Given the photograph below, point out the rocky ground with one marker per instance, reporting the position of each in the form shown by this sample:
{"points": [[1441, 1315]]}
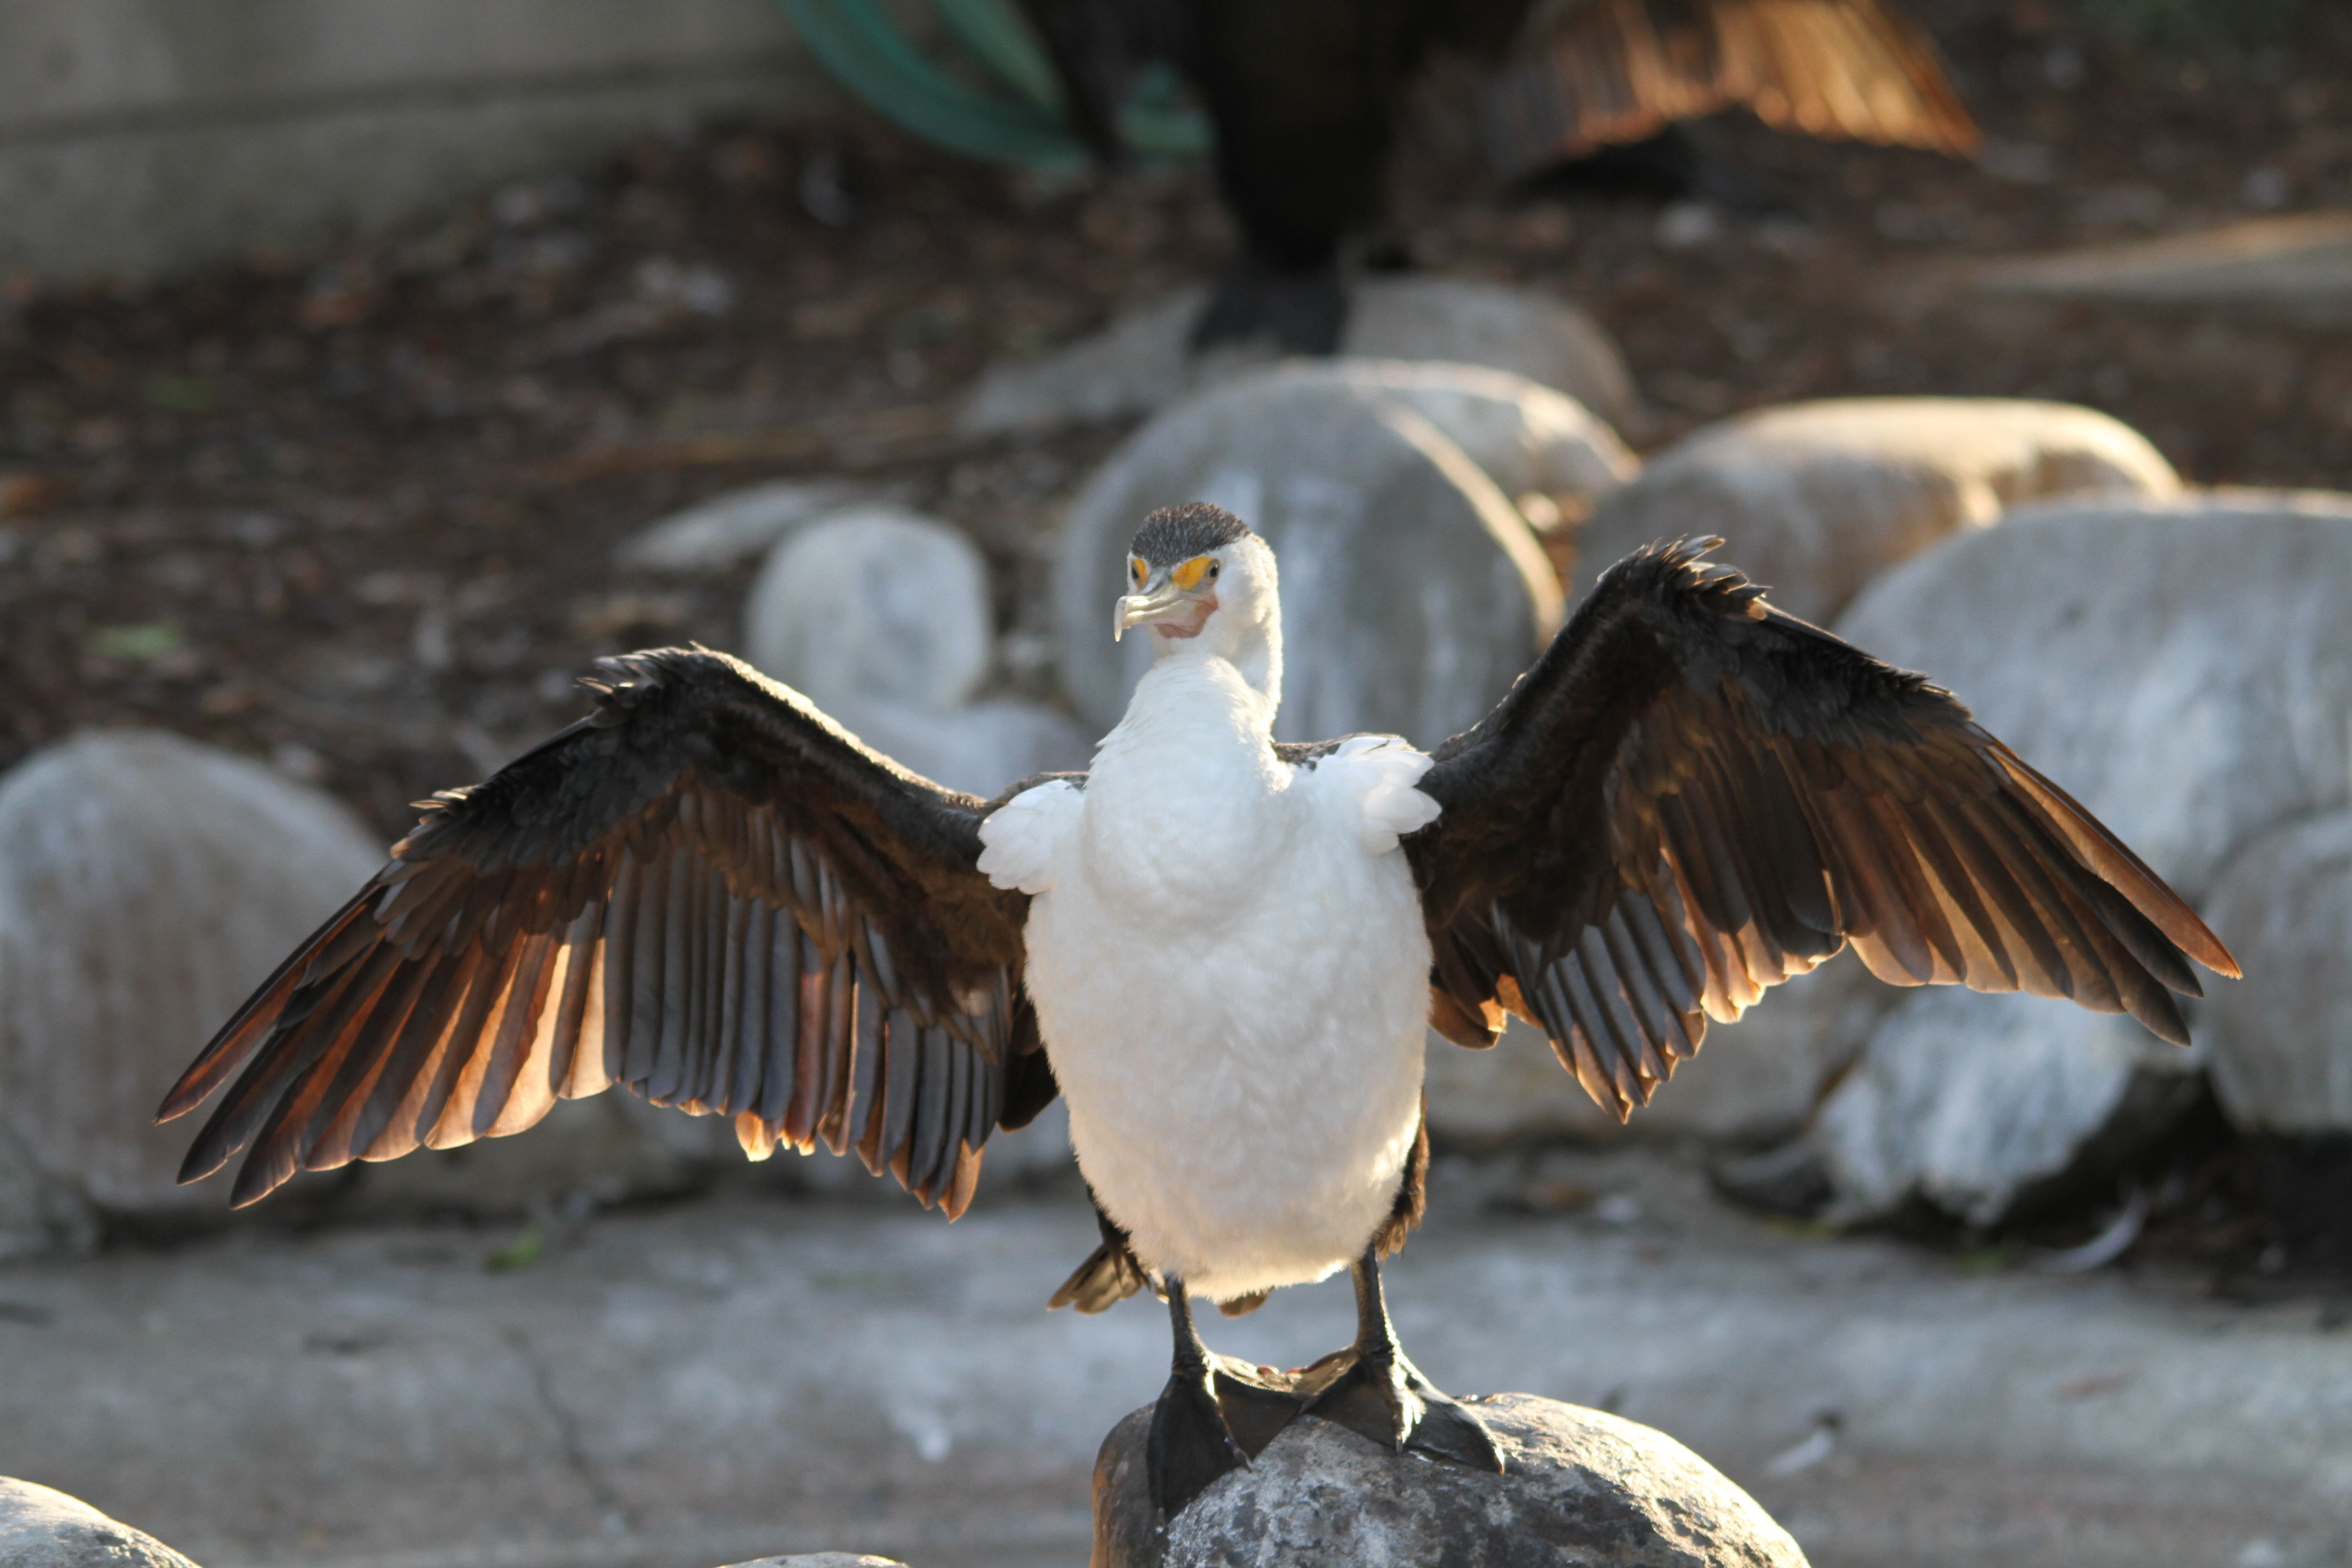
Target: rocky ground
{"points": [[701, 1383]]}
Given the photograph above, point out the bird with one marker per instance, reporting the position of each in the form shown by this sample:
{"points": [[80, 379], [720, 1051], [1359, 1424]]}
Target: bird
{"points": [[1223, 951], [1307, 98]]}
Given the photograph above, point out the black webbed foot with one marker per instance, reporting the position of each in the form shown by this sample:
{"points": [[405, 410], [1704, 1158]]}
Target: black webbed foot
{"points": [[1372, 1389], [1215, 1416], [1301, 311], [1388, 1400]]}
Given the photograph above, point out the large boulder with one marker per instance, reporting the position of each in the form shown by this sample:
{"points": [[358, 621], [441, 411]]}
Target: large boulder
{"points": [[1144, 362], [2281, 1038], [882, 617], [147, 884], [1817, 499], [1580, 1487], [44, 1528], [1413, 592], [2183, 670], [733, 528]]}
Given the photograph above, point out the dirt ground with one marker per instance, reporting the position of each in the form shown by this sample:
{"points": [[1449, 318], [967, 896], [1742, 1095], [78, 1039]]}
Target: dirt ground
{"points": [[353, 511]]}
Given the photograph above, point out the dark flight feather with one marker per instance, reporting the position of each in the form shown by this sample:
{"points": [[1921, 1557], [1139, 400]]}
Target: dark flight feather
{"points": [[704, 891], [1589, 73], [1692, 797]]}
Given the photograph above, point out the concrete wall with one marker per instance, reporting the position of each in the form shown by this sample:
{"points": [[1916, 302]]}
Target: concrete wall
{"points": [[152, 135]]}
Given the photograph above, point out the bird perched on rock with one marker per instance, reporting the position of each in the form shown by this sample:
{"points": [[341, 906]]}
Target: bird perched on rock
{"points": [[1307, 97], [1223, 950]]}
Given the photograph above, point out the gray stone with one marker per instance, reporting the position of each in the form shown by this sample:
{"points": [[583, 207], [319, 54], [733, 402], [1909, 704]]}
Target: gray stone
{"points": [[881, 617], [44, 1528], [147, 883], [1981, 1104], [874, 602], [2281, 1038], [1817, 499], [1523, 435], [2298, 267], [729, 529], [1143, 362], [2185, 670], [1580, 1487], [1413, 592]]}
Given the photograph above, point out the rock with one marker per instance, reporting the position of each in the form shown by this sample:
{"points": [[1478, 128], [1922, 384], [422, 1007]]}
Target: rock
{"points": [[44, 1528], [2298, 267], [1522, 435], [147, 883], [2281, 1038], [1142, 361], [2185, 670], [729, 529], [1582, 1486], [1983, 1105], [1413, 592], [875, 602], [1817, 499], [881, 617]]}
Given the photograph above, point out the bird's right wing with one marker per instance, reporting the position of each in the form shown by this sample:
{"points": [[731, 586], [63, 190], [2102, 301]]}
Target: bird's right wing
{"points": [[1589, 73], [1691, 797], [706, 893]]}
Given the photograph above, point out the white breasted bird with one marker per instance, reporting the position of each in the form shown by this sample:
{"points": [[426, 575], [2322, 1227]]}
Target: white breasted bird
{"points": [[1223, 950]]}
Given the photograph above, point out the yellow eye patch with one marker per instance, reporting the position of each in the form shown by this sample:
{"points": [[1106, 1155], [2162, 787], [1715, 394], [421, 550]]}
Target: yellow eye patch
{"points": [[1189, 576], [1135, 570]]}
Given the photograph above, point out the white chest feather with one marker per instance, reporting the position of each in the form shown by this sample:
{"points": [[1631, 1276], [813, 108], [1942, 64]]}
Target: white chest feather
{"points": [[1229, 965]]}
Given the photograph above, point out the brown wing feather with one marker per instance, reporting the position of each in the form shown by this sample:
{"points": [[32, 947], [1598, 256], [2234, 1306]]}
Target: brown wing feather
{"points": [[704, 892], [1693, 796], [1588, 73]]}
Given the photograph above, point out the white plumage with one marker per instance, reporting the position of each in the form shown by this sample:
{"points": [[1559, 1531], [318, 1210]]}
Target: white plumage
{"points": [[1228, 961]]}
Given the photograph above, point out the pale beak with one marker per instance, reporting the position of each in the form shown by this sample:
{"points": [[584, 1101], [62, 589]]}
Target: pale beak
{"points": [[1163, 603]]}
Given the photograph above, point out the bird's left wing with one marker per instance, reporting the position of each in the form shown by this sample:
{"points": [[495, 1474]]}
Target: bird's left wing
{"points": [[707, 892], [1692, 797]]}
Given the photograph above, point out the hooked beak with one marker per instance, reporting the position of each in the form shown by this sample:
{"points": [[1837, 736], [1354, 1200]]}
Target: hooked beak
{"points": [[1163, 602]]}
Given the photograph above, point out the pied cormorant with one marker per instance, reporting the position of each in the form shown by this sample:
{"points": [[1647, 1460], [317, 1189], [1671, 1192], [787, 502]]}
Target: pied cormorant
{"points": [[1222, 949]]}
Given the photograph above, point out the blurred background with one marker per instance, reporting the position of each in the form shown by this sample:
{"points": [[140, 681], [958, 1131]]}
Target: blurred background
{"points": [[367, 371]]}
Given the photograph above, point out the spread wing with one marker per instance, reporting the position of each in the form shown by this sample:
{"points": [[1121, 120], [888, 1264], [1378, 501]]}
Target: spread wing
{"points": [[1692, 797], [1586, 73], [704, 891]]}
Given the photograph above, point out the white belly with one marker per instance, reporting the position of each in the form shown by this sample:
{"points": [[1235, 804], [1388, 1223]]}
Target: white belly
{"points": [[1242, 1062]]}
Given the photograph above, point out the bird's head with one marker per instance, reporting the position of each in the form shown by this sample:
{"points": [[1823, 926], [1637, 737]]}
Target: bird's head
{"points": [[1202, 585]]}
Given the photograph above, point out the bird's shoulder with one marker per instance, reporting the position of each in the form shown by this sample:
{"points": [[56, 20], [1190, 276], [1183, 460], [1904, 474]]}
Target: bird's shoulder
{"points": [[1368, 779], [1024, 827]]}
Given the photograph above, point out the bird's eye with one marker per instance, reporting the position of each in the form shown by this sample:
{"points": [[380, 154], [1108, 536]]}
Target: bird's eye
{"points": [[1189, 576], [1135, 571]]}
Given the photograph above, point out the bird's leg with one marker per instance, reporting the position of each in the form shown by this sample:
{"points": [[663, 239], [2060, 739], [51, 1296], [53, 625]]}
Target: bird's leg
{"points": [[1214, 1416], [1302, 311], [1380, 1394]]}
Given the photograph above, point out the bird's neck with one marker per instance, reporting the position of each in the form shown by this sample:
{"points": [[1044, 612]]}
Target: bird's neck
{"points": [[1196, 703], [1255, 654]]}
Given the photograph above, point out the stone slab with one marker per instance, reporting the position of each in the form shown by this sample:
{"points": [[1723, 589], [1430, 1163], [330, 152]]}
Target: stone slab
{"points": [[2298, 266]]}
